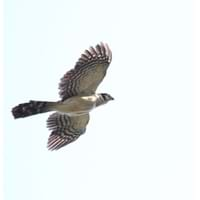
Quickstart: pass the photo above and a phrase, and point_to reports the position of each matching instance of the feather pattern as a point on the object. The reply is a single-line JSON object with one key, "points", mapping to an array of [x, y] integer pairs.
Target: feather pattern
{"points": [[88, 72], [65, 129]]}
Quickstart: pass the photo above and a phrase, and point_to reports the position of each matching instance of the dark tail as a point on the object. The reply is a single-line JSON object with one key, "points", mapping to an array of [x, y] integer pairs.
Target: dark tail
{"points": [[31, 108]]}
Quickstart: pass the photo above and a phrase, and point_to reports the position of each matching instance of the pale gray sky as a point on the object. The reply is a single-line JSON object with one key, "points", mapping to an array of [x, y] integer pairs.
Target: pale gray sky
{"points": [[136, 147]]}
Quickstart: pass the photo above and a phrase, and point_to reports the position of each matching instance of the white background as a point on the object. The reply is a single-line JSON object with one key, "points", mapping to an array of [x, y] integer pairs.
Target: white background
{"points": [[139, 146]]}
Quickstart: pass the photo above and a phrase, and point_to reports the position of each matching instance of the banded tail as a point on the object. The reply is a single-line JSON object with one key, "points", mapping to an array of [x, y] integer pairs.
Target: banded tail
{"points": [[32, 108]]}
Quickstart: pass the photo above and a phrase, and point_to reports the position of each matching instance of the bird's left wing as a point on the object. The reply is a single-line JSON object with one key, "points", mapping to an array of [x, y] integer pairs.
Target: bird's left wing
{"points": [[65, 129], [88, 72]]}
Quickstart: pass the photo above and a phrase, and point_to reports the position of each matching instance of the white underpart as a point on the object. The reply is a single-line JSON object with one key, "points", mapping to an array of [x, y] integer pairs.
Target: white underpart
{"points": [[78, 105]]}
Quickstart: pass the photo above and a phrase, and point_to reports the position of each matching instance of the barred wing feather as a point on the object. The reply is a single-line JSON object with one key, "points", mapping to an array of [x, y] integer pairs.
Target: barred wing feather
{"points": [[65, 129], [88, 72]]}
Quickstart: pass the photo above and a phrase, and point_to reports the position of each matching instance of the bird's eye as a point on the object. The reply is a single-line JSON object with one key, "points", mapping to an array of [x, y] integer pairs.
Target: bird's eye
{"points": [[104, 97]]}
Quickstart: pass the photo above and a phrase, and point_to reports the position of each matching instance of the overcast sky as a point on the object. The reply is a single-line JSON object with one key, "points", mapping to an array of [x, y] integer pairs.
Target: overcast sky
{"points": [[136, 147]]}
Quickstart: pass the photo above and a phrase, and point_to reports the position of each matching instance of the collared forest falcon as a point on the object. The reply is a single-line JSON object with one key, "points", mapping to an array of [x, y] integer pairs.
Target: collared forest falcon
{"points": [[78, 97]]}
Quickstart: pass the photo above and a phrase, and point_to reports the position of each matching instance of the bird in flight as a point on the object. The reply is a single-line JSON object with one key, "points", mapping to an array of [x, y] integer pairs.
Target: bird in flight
{"points": [[78, 97]]}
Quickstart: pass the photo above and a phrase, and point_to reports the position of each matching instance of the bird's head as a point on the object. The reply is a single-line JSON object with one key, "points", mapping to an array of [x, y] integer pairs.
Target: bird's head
{"points": [[106, 97]]}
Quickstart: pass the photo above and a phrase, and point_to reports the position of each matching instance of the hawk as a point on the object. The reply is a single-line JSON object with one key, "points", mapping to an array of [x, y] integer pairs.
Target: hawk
{"points": [[78, 97]]}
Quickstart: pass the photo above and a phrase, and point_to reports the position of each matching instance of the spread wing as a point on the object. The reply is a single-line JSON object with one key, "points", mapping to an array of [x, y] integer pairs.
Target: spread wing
{"points": [[88, 72], [65, 129]]}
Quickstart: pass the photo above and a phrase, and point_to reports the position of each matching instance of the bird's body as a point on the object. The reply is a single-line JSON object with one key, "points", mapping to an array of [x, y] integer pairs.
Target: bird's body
{"points": [[78, 97], [77, 105]]}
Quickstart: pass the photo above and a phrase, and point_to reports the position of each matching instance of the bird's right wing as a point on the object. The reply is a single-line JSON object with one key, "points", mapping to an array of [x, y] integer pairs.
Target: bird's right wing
{"points": [[88, 72], [65, 129]]}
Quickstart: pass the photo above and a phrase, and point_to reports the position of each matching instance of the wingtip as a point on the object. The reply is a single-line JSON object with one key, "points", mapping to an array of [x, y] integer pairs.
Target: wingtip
{"points": [[108, 50]]}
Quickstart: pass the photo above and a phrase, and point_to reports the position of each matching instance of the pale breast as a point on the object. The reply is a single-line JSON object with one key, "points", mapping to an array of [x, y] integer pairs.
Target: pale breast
{"points": [[76, 105]]}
